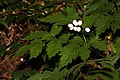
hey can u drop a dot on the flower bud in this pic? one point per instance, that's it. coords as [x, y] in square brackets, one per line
[71, 28]
[70, 25]
[87, 29]
[75, 22]
[78, 29]
[79, 22]
[75, 28]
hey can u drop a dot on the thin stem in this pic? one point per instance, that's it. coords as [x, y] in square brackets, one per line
[84, 38]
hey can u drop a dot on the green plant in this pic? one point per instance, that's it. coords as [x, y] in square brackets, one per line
[82, 55]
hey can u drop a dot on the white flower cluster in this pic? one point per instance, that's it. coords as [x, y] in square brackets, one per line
[76, 26]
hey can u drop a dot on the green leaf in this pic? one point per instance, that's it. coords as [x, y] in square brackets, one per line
[35, 48]
[117, 48]
[55, 30]
[22, 50]
[71, 14]
[107, 7]
[84, 52]
[89, 20]
[36, 35]
[2, 21]
[2, 50]
[49, 75]
[64, 38]
[77, 40]
[94, 6]
[61, 19]
[102, 45]
[102, 23]
[36, 77]
[47, 36]
[112, 60]
[103, 74]
[68, 53]
[53, 47]
[116, 21]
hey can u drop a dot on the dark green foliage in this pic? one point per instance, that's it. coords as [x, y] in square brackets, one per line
[65, 54]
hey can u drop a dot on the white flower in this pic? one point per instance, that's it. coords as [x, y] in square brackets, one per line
[75, 28]
[70, 25]
[87, 29]
[71, 28]
[78, 29]
[75, 22]
[21, 59]
[79, 22]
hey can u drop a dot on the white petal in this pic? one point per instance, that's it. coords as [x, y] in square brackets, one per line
[79, 22]
[78, 29]
[87, 29]
[70, 25]
[71, 28]
[75, 22]
[75, 28]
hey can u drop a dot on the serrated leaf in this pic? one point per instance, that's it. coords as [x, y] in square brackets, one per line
[35, 48]
[71, 14]
[116, 21]
[77, 40]
[36, 35]
[22, 50]
[89, 20]
[102, 45]
[47, 37]
[55, 30]
[84, 52]
[115, 26]
[117, 48]
[68, 53]
[102, 23]
[61, 19]
[53, 47]
[64, 38]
